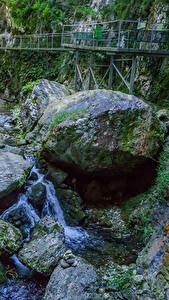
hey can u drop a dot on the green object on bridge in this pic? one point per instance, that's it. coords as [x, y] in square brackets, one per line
[98, 32]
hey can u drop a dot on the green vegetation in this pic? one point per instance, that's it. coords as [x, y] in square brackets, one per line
[45, 16]
[48, 16]
[27, 89]
[145, 203]
[69, 115]
[121, 281]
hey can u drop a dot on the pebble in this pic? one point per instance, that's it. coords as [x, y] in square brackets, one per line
[138, 279]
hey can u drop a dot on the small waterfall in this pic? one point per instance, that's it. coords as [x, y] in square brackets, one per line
[73, 235]
[25, 206]
[52, 206]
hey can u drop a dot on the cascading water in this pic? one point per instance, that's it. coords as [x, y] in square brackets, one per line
[73, 235]
[89, 244]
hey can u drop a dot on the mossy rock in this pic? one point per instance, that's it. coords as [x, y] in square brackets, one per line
[10, 239]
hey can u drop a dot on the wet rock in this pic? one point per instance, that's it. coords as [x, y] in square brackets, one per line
[58, 177]
[13, 172]
[46, 246]
[19, 218]
[10, 239]
[33, 176]
[43, 92]
[109, 218]
[38, 195]
[71, 205]
[73, 283]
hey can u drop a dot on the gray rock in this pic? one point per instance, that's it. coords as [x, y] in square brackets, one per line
[99, 130]
[73, 283]
[46, 246]
[42, 94]
[10, 238]
[13, 172]
[38, 195]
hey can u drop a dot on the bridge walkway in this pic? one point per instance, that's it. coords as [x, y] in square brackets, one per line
[124, 38]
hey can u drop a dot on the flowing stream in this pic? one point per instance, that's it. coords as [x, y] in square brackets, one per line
[88, 243]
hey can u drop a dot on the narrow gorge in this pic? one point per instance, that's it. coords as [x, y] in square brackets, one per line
[84, 175]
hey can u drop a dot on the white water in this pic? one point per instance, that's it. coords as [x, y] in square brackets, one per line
[51, 207]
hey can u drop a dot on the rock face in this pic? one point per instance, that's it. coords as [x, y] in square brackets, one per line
[72, 283]
[42, 94]
[13, 172]
[45, 248]
[10, 239]
[6, 128]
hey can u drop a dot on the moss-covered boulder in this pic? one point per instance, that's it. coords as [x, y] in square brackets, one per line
[98, 130]
[45, 248]
[13, 172]
[108, 138]
[38, 96]
[10, 239]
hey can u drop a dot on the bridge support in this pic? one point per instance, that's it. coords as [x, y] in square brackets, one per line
[133, 70]
[76, 71]
[90, 68]
[111, 72]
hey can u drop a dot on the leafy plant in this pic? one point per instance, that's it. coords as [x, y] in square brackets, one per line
[122, 281]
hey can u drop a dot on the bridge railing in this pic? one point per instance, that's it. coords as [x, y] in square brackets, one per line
[117, 34]
[31, 42]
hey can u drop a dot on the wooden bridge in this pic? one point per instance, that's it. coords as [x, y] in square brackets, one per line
[120, 39]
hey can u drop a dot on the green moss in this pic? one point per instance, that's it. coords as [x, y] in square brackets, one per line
[27, 89]
[73, 115]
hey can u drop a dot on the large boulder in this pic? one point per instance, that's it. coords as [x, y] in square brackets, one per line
[45, 248]
[10, 238]
[13, 172]
[43, 92]
[98, 130]
[108, 138]
[72, 283]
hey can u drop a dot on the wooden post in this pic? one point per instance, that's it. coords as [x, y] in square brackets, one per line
[76, 70]
[133, 69]
[111, 72]
[90, 76]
